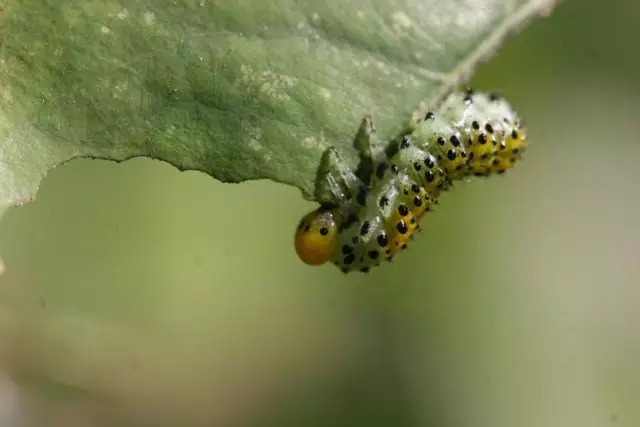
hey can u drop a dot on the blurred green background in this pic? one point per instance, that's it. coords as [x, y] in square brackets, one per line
[137, 295]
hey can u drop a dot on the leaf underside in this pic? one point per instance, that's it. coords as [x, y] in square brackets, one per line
[240, 90]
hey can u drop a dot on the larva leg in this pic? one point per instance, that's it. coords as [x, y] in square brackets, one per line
[364, 141]
[336, 178]
[369, 149]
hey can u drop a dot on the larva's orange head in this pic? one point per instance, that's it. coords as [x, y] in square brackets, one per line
[317, 236]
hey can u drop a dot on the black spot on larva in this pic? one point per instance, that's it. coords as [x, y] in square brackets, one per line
[349, 259]
[501, 171]
[324, 231]
[454, 141]
[401, 226]
[307, 228]
[471, 156]
[494, 96]
[405, 143]
[475, 125]
[496, 162]
[403, 210]
[441, 140]
[479, 174]
[381, 169]
[506, 120]
[514, 134]
[503, 145]
[430, 116]
[488, 128]
[382, 239]
[439, 157]
[417, 166]
[374, 254]
[346, 249]
[451, 155]
[482, 138]
[361, 196]
[417, 201]
[415, 188]
[515, 151]
[429, 176]
[355, 240]
[513, 160]
[384, 201]
[429, 162]
[405, 192]
[364, 229]
[412, 221]
[459, 167]
[485, 156]
[404, 247]
[394, 169]
[364, 269]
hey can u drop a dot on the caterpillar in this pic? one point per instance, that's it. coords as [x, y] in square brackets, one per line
[374, 214]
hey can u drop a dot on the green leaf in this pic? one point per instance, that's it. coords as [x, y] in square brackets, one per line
[238, 89]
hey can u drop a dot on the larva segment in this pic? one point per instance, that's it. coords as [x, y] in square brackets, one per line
[510, 151]
[402, 226]
[359, 246]
[491, 131]
[423, 168]
[437, 136]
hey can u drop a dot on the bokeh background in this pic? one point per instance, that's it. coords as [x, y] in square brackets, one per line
[137, 295]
